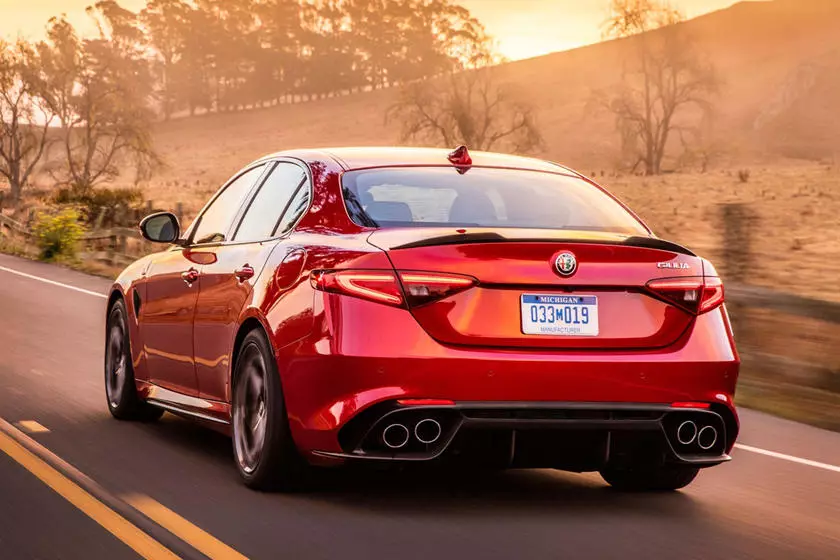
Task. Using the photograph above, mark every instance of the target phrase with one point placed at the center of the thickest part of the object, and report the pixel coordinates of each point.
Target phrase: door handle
(190, 276)
(246, 272)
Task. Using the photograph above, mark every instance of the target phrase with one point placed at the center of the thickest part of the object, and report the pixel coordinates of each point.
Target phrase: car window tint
(215, 221)
(270, 202)
(482, 197)
(297, 207)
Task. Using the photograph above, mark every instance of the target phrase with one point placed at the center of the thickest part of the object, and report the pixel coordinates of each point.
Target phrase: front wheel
(120, 390)
(662, 478)
(266, 456)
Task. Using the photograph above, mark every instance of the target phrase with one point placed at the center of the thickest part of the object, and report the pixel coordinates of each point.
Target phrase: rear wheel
(265, 453)
(662, 478)
(120, 390)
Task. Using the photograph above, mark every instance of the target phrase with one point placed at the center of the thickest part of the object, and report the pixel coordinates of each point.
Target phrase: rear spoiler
(494, 237)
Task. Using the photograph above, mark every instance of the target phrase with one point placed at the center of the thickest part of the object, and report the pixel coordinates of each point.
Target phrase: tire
(120, 389)
(263, 449)
(663, 478)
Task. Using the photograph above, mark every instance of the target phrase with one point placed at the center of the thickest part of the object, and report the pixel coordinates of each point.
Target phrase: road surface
(76, 484)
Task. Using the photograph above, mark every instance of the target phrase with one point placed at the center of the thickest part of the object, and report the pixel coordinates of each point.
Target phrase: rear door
(173, 287)
(228, 279)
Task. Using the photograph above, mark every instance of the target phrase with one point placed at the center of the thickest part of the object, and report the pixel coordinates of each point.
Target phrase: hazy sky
(523, 28)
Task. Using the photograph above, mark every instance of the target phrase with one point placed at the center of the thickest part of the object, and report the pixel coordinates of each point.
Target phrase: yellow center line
(137, 540)
(32, 427)
(199, 539)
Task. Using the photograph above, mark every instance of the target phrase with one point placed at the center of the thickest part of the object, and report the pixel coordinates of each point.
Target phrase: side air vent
(136, 299)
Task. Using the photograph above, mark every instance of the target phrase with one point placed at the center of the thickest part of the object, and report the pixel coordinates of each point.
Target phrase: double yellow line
(113, 522)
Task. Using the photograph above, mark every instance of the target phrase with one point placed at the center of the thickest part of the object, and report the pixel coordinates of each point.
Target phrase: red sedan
(419, 306)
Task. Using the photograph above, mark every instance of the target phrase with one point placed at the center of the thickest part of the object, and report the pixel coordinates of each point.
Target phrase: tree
(466, 107)
(99, 89)
(166, 22)
(279, 63)
(466, 104)
(24, 117)
(666, 88)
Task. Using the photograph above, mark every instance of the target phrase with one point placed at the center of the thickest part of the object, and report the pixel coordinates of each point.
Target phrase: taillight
(425, 287)
(418, 288)
(695, 294)
(378, 286)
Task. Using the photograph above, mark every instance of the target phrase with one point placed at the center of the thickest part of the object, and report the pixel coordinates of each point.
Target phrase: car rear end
(514, 318)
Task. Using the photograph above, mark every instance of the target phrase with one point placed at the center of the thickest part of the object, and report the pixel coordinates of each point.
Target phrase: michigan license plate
(559, 315)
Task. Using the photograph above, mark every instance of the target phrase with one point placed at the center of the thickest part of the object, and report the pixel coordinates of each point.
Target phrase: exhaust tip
(427, 431)
(395, 436)
(687, 432)
(707, 438)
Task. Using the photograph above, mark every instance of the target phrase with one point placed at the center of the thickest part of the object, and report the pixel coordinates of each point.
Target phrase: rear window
(481, 197)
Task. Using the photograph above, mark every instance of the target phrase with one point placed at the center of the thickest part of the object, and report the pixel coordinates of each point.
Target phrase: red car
(414, 306)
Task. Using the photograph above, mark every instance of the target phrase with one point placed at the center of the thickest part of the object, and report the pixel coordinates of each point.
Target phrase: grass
(792, 401)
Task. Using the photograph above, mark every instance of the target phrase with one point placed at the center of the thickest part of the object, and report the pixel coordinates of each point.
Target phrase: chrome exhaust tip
(395, 436)
(427, 431)
(687, 432)
(707, 438)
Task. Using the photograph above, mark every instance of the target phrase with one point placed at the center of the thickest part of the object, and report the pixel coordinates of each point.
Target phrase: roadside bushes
(102, 205)
(57, 234)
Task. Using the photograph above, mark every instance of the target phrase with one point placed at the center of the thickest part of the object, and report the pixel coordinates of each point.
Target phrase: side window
(269, 204)
(214, 222)
(296, 209)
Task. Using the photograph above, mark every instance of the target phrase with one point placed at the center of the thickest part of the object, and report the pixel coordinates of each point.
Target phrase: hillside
(780, 62)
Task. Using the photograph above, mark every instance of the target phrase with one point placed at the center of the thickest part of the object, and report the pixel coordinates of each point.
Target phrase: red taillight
(696, 294)
(418, 288)
(378, 286)
(425, 287)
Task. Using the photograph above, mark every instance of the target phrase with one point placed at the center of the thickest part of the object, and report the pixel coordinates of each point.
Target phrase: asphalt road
(182, 477)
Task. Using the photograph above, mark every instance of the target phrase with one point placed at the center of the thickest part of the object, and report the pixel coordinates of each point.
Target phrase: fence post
(100, 219)
(179, 211)
(112, 248)
(738, 224)
(737, 241)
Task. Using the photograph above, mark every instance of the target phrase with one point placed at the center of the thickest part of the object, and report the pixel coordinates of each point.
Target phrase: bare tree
(466, 104)
(24, 118)
(666, 88)
(466, 107)
(99, 89)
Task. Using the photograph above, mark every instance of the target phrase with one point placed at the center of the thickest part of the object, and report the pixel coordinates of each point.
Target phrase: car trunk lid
(612, 273)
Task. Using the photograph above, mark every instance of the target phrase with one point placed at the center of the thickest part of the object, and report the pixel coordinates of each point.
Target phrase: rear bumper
(571, 436)
(362, 355)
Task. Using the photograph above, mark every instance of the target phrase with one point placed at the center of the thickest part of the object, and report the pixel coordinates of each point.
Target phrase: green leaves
(58, 233)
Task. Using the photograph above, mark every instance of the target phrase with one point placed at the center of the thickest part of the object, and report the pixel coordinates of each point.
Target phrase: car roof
(366, 157)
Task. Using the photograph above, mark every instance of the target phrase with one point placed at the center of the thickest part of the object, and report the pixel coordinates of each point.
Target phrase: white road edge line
(790, 458)
(53, 282)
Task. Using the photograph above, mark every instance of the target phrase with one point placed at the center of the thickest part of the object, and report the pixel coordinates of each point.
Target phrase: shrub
(58, 233)
(744, 175)
(93, 201)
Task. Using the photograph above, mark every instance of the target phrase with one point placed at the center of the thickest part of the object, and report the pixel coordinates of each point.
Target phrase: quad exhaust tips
(395, 436)
(705, 437)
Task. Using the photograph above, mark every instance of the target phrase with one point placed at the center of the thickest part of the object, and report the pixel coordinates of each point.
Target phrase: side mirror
(162, 227)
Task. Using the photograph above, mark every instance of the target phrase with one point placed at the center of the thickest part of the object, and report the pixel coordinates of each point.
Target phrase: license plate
(559, 315)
